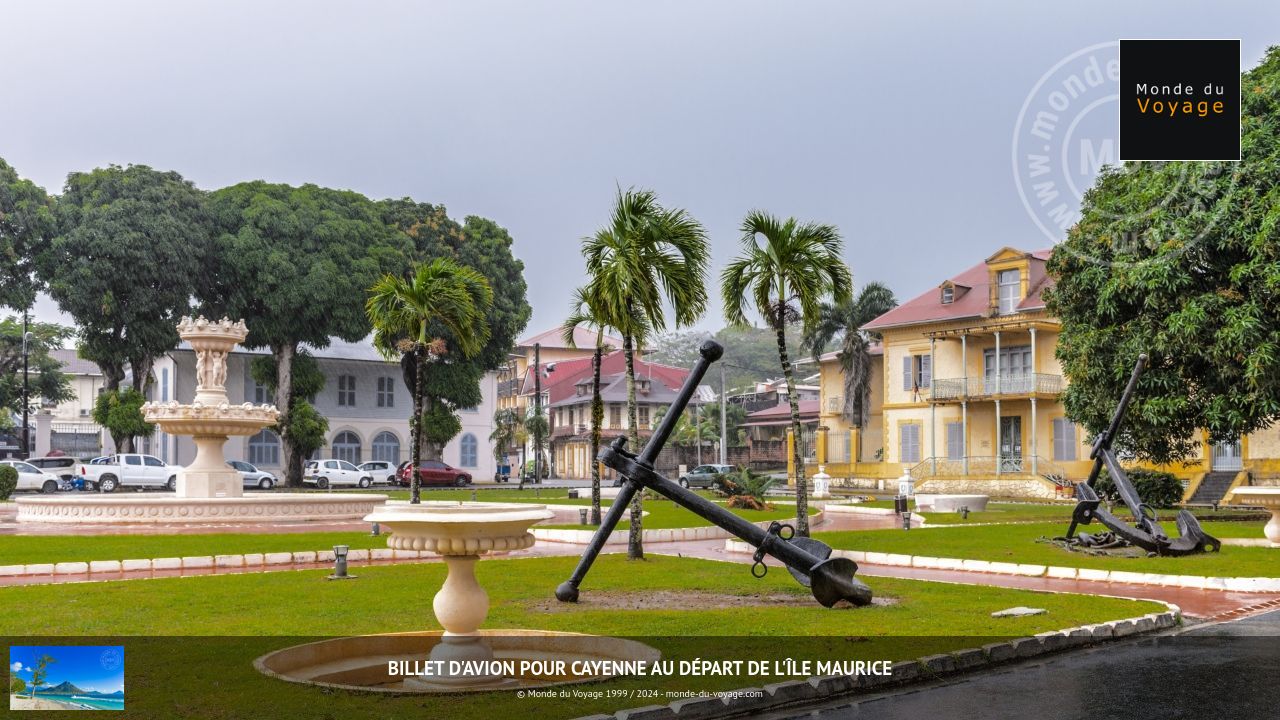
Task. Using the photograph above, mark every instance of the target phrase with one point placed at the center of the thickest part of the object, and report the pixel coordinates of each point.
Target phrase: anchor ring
(764, 570)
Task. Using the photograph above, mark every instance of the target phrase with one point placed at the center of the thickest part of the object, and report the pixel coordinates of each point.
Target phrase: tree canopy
(1180, 261)
(26, 224)
(131, 245)
(44, 373)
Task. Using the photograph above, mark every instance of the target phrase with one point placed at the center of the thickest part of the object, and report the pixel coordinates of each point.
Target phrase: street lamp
(27, 337)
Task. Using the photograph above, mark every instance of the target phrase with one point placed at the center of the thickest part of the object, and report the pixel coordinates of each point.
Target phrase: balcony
(989, 388)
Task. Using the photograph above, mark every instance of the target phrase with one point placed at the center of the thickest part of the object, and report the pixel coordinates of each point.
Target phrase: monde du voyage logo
(1179, 100)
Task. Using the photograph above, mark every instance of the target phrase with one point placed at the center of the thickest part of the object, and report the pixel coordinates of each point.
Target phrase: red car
(434, 472)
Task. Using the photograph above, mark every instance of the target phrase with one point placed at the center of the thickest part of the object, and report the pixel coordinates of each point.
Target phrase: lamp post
(26, 389)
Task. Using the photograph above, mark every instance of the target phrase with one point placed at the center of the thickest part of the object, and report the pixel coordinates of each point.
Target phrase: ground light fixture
(340, 563)
(582, 514)
(375, 531)
(906, 520)
(964, 512)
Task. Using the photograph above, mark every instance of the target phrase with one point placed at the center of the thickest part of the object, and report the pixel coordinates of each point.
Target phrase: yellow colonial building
(965, 398)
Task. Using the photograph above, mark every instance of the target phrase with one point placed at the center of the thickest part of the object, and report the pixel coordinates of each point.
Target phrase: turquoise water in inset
(93, 703)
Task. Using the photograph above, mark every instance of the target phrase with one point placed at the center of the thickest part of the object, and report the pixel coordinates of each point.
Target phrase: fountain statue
(208, 490)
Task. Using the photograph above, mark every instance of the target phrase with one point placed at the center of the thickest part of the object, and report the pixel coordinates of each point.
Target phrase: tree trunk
(284, 403)
(635, 538)
(597, 417)
(142, 373)
(797, 432)
(415, 427)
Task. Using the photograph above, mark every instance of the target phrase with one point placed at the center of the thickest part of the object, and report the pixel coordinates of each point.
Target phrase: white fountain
(208, 491)
(1265, 497)
(460, 532)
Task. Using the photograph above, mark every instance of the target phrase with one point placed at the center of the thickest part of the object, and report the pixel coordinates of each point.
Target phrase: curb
(204, 562)
(1232, 584)
(751, 701)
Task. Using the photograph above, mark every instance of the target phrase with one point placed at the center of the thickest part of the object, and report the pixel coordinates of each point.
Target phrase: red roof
(559, 383)
(583, 338)
(781, 413)
(972, 297)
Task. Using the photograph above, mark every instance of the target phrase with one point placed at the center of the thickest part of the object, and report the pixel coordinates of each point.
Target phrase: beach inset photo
(66, 677)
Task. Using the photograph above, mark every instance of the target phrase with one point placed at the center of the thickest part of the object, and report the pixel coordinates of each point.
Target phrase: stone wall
(1011, 487)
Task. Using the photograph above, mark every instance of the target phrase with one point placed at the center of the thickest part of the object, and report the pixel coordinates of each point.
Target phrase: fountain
(1266, 497)
(420, 662)
(207, 490)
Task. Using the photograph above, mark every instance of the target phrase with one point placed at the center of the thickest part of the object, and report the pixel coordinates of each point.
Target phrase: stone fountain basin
(360, 663)
(1267, 497)
(459, 528)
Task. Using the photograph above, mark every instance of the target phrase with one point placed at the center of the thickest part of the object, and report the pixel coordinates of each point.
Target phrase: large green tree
(1181, 261)
(307, 427)
(44, 379)
(646, 258)
(26, 224)
(843, 321)
(485, 247)
(131, 245)
(785, 271)
(295, 264)
(403, 313)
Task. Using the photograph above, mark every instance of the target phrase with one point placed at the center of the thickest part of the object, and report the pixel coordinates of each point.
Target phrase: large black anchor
(1145, 532)
(830, 579)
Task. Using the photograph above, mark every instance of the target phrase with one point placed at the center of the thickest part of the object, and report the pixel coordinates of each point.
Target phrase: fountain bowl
(1266, 497)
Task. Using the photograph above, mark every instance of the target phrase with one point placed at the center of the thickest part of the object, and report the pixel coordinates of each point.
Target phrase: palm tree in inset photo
(410, 316)
(646, 258)
(785, 272)
(844, 320)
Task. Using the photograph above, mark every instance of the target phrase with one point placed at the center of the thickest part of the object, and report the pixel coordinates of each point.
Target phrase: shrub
(1156, 488)
(8, 481)
(744, 490)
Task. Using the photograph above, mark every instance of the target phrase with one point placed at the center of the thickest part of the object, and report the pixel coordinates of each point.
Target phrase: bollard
(583, 515)
(906, 520)
(376, 531)
(340, 563)
(964, 512)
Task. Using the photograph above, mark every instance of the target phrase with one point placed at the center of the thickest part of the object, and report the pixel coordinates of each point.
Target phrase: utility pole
(537, 409)
(724, 436)
(26, 391)
(697, 429)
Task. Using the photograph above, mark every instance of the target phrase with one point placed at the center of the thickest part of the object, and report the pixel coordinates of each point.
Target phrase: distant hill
(62, 688)
(95, 693)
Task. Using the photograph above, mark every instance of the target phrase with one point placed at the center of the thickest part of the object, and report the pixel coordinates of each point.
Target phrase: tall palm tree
(786, 269)
(646, 258)
(407, 312)
(586, 311)
(845, 320)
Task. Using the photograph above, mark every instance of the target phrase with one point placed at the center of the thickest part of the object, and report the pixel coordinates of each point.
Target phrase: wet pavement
(1213, 671)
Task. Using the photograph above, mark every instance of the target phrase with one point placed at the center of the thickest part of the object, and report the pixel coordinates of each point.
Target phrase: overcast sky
(892, 120)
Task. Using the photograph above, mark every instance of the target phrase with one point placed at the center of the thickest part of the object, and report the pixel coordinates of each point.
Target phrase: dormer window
(1009, 290)
(948, 294)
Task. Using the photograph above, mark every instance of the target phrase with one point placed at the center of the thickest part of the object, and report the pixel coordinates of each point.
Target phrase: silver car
(252, 476)
(704, 475)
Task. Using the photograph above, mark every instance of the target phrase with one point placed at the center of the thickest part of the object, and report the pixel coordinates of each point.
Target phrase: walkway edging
(1233, 584)
(755, 700)
(115, 567)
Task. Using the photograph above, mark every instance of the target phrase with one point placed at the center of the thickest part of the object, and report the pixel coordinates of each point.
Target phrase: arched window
(386, 446)
(264, 448)
(468, 451)
(346, 446)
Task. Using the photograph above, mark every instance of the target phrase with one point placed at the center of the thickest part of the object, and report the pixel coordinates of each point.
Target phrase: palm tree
(844, 320)
(586, 311)
(645, 258)
(504, 433)
(786, 277)
(408, 313)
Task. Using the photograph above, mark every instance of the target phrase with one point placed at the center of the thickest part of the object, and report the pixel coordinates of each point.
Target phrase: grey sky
(894, 121)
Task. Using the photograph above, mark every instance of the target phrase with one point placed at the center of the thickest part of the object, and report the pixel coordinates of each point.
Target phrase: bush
(8, 481)
(1156, 488)
(745, 490)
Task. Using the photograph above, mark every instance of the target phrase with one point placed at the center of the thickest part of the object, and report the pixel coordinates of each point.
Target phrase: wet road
(1212, 672)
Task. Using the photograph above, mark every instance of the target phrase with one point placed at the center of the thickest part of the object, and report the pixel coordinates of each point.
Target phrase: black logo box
(1161, 77)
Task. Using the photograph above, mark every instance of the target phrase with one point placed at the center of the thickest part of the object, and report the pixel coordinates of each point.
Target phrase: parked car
(434, 472)
(381, 470)
(703, 476)
(326, 473)
(252, 476)
(63, 466)
(31, 477)
(131, 470)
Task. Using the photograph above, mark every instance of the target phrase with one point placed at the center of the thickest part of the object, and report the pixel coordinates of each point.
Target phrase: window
(615, 416)
(260, 394)
(132, 460)
(642, 416)
(152, 461)
(909, 443)
(1064, 439)
(386, 392)
(917, 371)
(386, 447)
(164, 384)
(344, 465)
(955, 441)
(347, 390)
(1009, 290)
(264, 448)
(948, 295)
(346, 446)
(467, 457)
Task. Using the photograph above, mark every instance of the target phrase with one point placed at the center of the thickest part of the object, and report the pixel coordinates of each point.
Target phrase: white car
(252, 476)
(130, 470)
(381, 470)
(326, 473)
(31, 477)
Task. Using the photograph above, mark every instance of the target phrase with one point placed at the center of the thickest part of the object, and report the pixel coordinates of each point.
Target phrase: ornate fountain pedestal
(208, 491)
(1267, 497)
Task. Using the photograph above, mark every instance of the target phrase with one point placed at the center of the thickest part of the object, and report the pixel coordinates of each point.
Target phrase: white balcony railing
(1020, 384)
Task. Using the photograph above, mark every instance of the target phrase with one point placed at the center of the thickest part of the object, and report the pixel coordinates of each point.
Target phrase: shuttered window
(955, 441)
(1064, 439)
(909, 443)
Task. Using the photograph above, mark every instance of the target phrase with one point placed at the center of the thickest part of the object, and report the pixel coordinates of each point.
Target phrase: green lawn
(213, 677)
(1009, 512)
(1018, 543)
(664, 514)
(31, 549)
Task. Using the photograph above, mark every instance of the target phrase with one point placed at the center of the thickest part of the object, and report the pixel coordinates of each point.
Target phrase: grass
(32, 549)
(213, 677)
(1011, 512)
(1018, 543)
